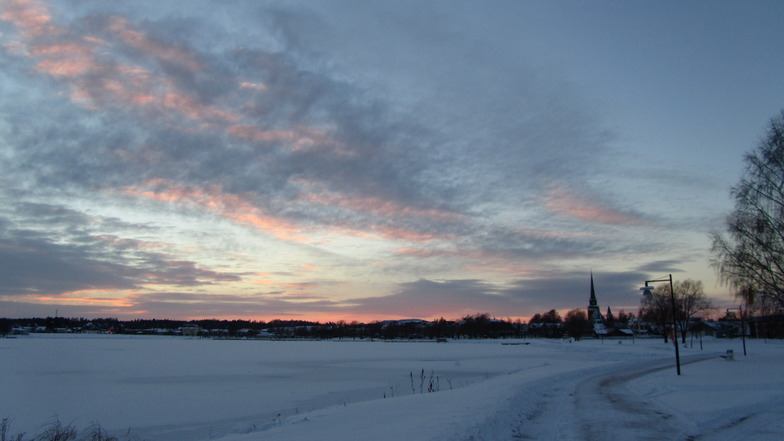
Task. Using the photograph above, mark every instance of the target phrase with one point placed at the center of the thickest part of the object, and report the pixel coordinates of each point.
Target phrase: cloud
(563, 202)
(170, 151)
(200, 119)
(663, 266)
(457, 298)
(567, 290)
(58, 253)
(428, 299)
(197, 112)
(212, 199)
(35, 266)
(192, 305)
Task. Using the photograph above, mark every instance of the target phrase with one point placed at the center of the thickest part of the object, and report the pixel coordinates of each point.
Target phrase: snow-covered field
(177, 389)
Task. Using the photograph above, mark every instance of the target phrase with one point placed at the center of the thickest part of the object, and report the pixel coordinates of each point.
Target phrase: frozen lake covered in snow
(179, 388)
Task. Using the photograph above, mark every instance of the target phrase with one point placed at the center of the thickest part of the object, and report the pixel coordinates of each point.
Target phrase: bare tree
(751, 259)
(691, 301)
(656, 307)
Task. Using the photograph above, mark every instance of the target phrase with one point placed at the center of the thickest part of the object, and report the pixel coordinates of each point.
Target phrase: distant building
(609, 319)
(594, 313)
(190, 330)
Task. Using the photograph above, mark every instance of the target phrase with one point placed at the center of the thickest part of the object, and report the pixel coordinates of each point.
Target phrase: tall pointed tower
(594, 314)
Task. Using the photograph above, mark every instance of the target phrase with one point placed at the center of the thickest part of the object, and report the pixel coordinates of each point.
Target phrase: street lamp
(647, 292)
(742, 327)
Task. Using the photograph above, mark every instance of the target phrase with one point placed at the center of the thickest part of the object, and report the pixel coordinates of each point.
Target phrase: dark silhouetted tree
(691, 301)
(656, 308)
(576, 323)
(552, 316)
(751, 259)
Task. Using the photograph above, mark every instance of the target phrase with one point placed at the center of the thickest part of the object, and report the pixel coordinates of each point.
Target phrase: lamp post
(742, 327)
(647, 291)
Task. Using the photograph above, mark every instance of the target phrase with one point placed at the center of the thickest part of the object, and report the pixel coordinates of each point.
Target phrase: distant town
(654, 319)
(477, 326)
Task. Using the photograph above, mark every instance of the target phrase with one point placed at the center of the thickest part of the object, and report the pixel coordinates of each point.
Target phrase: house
(20, 331)
(191, 330)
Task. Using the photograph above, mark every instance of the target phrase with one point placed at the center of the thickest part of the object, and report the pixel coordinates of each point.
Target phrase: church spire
(594, 314)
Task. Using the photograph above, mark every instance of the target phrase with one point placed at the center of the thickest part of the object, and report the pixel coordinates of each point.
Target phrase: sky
(370, 160)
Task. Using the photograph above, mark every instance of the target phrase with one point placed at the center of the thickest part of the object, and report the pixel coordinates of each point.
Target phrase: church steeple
(594, 314)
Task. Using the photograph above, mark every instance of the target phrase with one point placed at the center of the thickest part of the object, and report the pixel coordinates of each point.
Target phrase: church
(594, 314)
(604, 325)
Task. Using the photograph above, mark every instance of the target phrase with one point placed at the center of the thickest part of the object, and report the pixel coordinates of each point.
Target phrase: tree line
(654, 315)
(472, 326)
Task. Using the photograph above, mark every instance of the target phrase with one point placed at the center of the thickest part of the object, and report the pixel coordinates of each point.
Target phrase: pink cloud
(162, 51)
(118, 83)
(403, 234)
(112, 80)
(30, 16)
(297, 139)
(64, 58)
(230, 206)
(87, 297)
(68, 59)
(255, 86)
(561, 201)
(253, 133)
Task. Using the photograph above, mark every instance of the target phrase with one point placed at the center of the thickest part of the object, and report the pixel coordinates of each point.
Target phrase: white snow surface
(178, 389)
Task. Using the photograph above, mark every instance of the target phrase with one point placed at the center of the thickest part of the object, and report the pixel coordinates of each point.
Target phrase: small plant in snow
(433, 386)
(57, 432)
(97, 433)
(433, 382)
